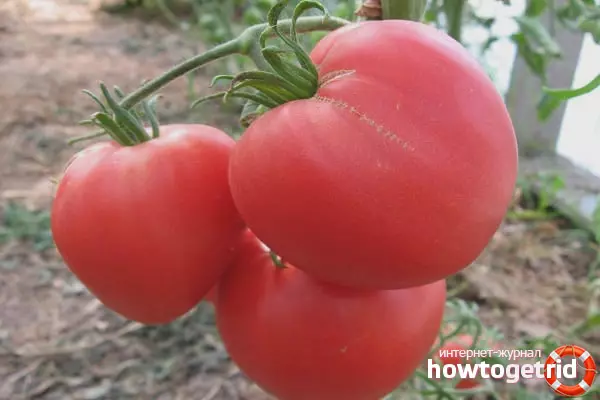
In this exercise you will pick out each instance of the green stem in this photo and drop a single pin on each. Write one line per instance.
(243, 44)
(220, 51)
(454, 12)
(86, 137)
(403, 9)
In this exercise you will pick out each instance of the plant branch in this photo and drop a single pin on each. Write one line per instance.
(259, 60)
(454, 12)
(244, 44)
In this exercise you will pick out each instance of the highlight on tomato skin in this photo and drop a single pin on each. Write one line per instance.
(301, 339)
(149, 229)
(397, 173)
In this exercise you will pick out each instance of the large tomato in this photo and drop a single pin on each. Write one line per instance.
(396, 173)
(302, 339)
(150, 228)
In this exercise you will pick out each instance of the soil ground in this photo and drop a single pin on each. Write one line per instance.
(58, 342)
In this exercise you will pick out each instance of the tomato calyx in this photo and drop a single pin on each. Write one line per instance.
(126, 127)
(293, 75)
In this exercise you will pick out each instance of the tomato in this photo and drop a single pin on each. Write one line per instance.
(303, 339)
(459, 343)
(396, 173)
(149, 228)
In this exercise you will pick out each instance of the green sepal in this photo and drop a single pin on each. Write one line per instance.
(301, 8)
(274, 80)
(105, 122)
(124, 118)
(288, 70)
(251, 112)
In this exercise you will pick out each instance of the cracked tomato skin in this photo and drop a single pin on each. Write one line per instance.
(397, 173)
(302, 339)
(149, 229)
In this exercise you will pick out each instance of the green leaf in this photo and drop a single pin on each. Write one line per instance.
(253, 16)
(591, 323)
(591, 26)
(566, 94)
(251, 112)
(536, 62)
(537, 37)
(546, 106)
(489, 42)
(535, 7)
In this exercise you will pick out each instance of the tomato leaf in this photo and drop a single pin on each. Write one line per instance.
(591, 26)
(537, 36)
(547, 105)
(565, 94)
(536, 62)
(535, 7)
(553, 98)
(581, 15)
(592, 323)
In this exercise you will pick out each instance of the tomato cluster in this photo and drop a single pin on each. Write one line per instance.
(392, 177)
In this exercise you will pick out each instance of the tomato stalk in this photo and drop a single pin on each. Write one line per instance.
(245, 44)
(454, 12)
(125, 127)
(286, 80)
(124, 124)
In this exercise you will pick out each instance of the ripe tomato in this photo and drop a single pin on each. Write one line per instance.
(150, 228)
(302, 339)
(397, 173)
(460, 343)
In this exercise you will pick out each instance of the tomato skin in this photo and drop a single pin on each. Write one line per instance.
(302, 339)
(396, 174)
(149, 229)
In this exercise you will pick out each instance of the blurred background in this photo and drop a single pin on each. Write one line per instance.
(535, 285)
